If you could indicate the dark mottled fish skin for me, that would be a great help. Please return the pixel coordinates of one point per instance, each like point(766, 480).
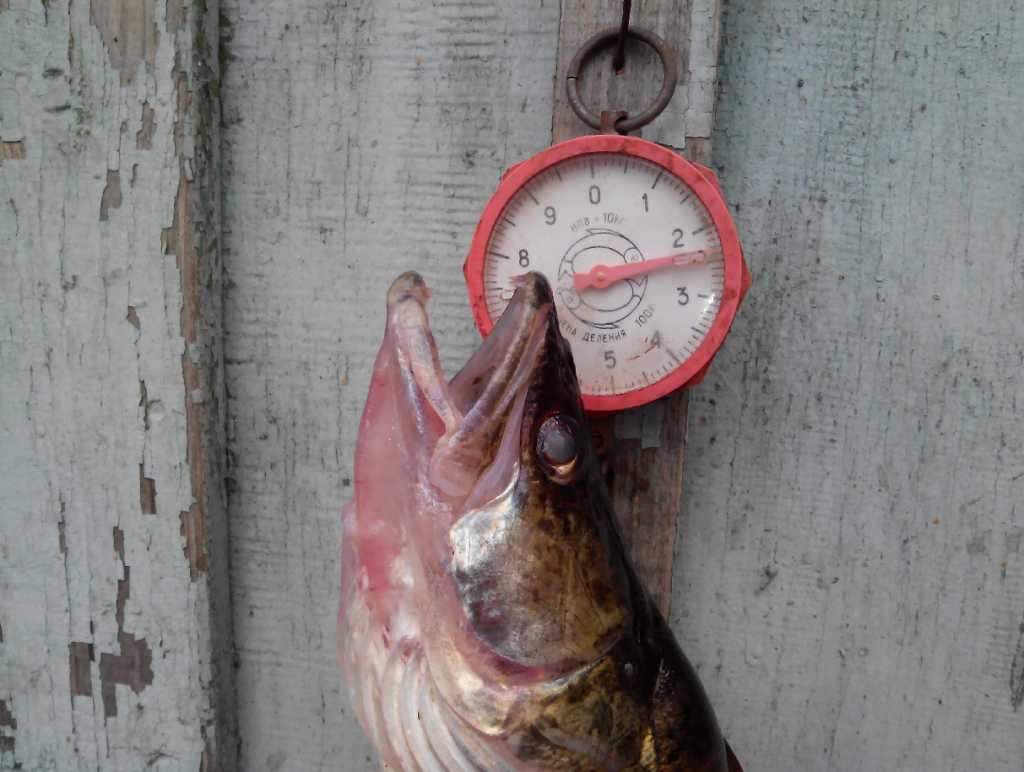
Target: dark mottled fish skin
point(641, 706)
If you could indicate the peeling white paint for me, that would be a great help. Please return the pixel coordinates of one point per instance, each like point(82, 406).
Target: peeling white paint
point(72, 430)
point(691, 113)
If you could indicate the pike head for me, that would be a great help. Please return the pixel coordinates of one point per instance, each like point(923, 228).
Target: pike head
point(490, 616)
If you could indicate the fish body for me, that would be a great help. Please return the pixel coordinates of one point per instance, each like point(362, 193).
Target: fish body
point(491, 618)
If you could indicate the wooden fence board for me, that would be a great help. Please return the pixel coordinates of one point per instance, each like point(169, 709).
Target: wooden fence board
point(115, 648)
point(849, 572)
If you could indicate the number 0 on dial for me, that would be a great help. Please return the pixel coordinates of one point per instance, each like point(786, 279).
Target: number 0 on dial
point(641, 254)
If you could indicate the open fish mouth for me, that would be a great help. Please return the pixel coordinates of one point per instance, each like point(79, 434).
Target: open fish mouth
point(460, 424)
point(485, 490)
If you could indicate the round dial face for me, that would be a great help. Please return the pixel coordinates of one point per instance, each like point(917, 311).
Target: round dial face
point(635, 259)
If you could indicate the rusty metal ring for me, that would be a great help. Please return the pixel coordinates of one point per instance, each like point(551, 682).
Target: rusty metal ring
point(599, 41)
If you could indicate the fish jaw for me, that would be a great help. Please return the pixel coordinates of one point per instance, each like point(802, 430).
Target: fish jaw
point(424, 448)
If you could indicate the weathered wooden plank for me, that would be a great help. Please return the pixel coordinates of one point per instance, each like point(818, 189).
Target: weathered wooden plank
point(849, 574)
point(643, 467)
point(317, 236)
point(114, 641)
point(644, 474)
point(363, 140)
point(634, 87)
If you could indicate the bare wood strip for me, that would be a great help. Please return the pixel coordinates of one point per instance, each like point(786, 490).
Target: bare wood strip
point(645, 483)
point(180, 242)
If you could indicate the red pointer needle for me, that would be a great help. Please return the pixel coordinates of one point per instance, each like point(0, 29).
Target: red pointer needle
point(600, 276)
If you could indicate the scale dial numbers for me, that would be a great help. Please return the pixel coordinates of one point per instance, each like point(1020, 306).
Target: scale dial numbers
point(604, 210)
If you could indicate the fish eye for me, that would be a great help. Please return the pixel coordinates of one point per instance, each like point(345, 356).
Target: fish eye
point(557, 448)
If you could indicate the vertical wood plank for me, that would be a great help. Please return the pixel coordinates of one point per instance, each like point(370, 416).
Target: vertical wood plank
point(632, 89)
point(115, 648)
point(645, 476)
point(643, 469)
point(363, 140)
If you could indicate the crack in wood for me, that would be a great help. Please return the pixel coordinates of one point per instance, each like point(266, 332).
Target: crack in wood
point(1017, 673)
point(111, 195)
point(144, 137)
point(8, 720)
point(147, 492)
point(180, 242)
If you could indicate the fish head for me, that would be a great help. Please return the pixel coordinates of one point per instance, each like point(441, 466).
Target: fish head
point(479, 505)
point(491, 619)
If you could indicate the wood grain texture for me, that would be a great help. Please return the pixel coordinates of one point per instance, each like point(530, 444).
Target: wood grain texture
point(363, 140)
point(849, 575)
point(635, 87)
point(691, 29)
point(112, 647)
point(645, 477)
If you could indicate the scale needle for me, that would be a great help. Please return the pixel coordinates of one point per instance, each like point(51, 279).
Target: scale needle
point(600, 276)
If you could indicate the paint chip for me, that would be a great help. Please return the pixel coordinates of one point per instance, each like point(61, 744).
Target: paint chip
point(175, 16)
point(11, 151)
point(7, 719)
point(147, 492)
point(111, 195)
point(80, 656)
point(133, 666)
point(144, 138)
point(129, 33)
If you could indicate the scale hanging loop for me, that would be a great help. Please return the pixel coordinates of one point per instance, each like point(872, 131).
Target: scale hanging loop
point(622, 125)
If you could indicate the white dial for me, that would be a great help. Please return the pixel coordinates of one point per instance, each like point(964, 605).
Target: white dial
point(632, 255)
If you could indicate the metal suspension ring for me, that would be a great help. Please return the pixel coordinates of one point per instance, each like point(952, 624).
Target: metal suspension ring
point(605, 38)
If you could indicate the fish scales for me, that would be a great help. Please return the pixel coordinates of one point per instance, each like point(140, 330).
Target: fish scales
point(491, 617)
